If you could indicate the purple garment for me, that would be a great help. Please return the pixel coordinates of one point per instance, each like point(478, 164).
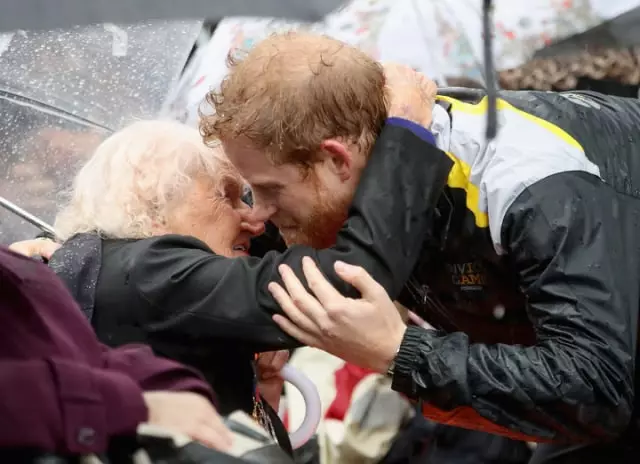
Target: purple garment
point(60, 389)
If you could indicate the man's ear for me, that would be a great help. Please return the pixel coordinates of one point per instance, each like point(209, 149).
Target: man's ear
point(338, 157)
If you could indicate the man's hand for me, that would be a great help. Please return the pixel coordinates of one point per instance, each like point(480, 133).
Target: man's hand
point(366, 332)
point(36, 247)
point(411, 94)
point(189, 414)
point(270, 382)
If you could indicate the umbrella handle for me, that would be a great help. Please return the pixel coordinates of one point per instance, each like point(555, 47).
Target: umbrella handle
point(312, 405)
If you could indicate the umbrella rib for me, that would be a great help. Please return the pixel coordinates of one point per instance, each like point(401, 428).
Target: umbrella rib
point(27, 216)
point(45, 107)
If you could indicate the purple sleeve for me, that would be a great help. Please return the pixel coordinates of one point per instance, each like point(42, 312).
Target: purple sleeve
point(418, 130)
point(155, 373)
point(66, 407)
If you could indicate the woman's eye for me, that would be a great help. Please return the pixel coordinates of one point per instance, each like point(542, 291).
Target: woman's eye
point(233, 192)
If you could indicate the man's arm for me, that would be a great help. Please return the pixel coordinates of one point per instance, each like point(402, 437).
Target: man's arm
point(388, 222)
point(574, 251)
point(66, 407)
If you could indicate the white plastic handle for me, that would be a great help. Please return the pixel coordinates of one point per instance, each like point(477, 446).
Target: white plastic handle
point(311, 398)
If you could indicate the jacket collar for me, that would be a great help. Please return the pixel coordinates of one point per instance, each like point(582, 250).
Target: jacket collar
point(441, 125)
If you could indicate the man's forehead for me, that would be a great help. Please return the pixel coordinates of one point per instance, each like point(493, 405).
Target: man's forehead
point(254, 165)
point(265, 182)
point(241, 152)
point(272, 177)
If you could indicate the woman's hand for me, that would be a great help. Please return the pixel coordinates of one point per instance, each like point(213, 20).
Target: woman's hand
point(36, 247)
point(270, 382)
point(411, 94)
point(189, 414)
point(366, 332)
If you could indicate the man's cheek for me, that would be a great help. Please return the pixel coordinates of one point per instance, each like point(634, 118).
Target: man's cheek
point(289, 213)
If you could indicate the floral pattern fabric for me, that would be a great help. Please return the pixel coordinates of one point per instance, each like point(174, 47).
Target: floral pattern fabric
point(438, 37)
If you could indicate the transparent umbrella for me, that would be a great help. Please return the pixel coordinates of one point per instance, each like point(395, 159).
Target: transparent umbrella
point(50, 14)
point(63, 92)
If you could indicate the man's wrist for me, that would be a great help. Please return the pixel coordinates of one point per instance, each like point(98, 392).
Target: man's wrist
point(407, 360)
point(389, 353)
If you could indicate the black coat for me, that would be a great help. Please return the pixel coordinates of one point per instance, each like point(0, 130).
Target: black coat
point(532, 279)
point(213, 313)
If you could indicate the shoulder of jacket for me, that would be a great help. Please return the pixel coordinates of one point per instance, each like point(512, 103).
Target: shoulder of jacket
point(169, 242)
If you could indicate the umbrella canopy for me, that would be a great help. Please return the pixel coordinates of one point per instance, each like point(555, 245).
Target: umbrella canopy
point(107, 74)
point(605, 58)
point(52, 14)
point(63, 91)
point(619, 32)
point(402, 31)
point(61, 94)
point(607, 70)
point(442, 38)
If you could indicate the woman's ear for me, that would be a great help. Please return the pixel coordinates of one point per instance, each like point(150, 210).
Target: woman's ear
point(338, 157)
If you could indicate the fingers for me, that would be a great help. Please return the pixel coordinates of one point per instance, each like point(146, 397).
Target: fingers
point(370, 290)
point(267, 375)
point(214, 434)
point(266, 368)
point(290, 328)
point(319, 285)
point(291, 309)
point(280, 358)
point(35, 247)
point(188, 414)
point(271, 363)
point(265, 360)
point(402, 75)
point(48, 248)
point(20, 248)
point(429, 89)
point(25, 247)
point(301, 298)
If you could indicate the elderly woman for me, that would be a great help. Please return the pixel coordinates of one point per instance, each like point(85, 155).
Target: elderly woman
point(157, 179)
point(157, 241)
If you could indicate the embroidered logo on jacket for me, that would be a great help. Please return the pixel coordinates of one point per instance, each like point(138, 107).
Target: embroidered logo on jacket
point(467, 276)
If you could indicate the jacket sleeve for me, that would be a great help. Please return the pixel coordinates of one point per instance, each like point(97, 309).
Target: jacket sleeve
point(66, 407)
point(153, 373)
point(223, 298)
point(568, 240)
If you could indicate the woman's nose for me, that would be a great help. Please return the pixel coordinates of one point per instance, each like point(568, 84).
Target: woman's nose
point(255, 228)
point(261, 212)
point(250, 222)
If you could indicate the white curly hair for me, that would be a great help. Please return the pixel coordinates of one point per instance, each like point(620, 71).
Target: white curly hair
point(136, 176)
